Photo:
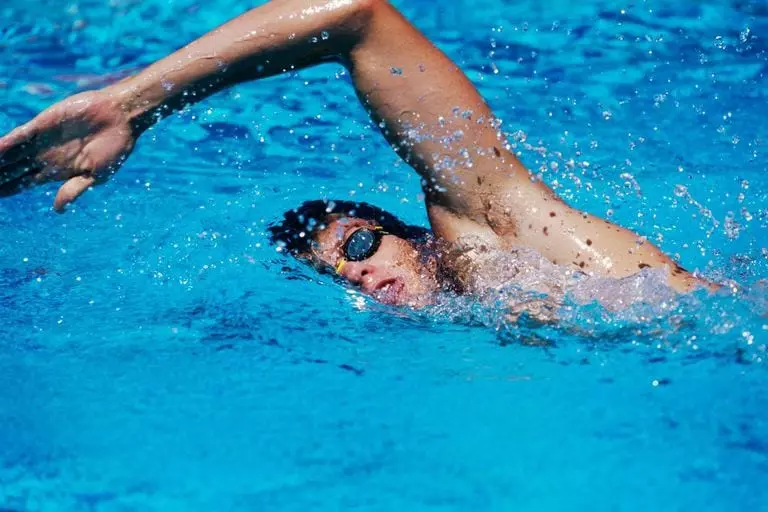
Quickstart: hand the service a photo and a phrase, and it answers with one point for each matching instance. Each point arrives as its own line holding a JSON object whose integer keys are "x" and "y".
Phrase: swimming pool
{"x": 157, "y": 354}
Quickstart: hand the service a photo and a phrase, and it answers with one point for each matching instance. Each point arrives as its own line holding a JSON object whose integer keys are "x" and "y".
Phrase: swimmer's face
{"x": 388, "y": 268}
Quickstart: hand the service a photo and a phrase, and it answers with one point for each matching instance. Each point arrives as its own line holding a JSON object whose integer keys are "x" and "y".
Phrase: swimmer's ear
{"x": 71, "y": 190}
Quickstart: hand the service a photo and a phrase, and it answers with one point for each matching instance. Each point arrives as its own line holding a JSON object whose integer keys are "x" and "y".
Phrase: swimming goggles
{"x": 361, "y": 245}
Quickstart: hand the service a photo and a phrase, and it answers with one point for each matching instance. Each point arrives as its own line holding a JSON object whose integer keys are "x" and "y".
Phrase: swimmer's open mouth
{"x": 390, "y": 291}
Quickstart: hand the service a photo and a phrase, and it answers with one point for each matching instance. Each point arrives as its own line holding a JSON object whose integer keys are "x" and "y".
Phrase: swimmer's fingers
{"x": 25, "y": 150}
{"x": 17, "y": 149}
{"x": 15, "y": 143}
{"x": 71, "y": 190}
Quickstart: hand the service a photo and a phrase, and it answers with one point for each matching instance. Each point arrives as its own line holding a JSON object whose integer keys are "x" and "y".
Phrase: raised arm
{"x": 427, "y": 109}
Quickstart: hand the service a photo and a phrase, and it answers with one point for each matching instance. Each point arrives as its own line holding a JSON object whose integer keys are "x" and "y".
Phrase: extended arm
{"x": 407, "y": 84}
{"x": 428, "y": 110}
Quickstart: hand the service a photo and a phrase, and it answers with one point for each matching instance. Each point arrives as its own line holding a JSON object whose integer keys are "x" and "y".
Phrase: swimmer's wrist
{"x": 139, "y": 101}
{"x": 155, "y": 94}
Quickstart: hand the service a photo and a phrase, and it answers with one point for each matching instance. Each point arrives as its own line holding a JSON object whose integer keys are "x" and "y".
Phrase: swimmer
{"x": 479, "y": 196}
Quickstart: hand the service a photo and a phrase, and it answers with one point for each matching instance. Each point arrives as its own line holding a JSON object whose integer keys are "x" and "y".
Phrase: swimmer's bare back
{"x": 429, "y": 111}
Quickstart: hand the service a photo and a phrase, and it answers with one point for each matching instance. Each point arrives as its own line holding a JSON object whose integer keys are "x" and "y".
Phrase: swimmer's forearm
{"x": 277, "y": 37}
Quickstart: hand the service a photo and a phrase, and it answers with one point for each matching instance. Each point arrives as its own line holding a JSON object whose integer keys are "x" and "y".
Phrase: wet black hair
{"x": 295, "y": 233}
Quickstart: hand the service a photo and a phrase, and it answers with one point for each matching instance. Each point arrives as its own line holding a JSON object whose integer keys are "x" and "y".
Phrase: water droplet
{"x": 720, "y": 43}
{"x": 731, "y": 227}
{"x": 324, "y": 35}
{"x": 166, "y": 84}
{"x": 744, "y": 35}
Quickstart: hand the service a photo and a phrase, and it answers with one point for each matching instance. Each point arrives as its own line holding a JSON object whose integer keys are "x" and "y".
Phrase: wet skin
{"x": 485, "y": 193}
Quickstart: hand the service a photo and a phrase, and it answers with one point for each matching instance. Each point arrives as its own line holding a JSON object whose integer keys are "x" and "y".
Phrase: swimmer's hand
{"x": 80, "y": 141}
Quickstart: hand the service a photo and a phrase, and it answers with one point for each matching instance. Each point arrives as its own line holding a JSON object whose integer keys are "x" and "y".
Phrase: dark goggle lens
{"x": 362, "y": 244}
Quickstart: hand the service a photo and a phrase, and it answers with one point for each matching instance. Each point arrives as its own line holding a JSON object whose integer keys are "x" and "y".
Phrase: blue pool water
{"x": 156, "y": 353}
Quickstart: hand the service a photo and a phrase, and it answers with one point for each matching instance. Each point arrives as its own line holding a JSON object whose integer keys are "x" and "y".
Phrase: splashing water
{"x": 525, "y": 297}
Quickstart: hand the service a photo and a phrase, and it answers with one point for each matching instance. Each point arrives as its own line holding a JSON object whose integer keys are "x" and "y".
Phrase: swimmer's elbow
{"x": 357, "y": 16}
{"x": 369, "y": 7}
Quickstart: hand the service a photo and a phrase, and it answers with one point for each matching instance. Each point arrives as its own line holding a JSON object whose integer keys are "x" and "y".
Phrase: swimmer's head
{"x": 364, "y": 245}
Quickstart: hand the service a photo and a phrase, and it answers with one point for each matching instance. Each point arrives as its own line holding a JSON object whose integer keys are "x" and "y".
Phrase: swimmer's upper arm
{"x": 437, "y": 121}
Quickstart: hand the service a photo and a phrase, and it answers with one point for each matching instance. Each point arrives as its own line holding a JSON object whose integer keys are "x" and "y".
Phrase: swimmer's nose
{"x": 360, "y": 273}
